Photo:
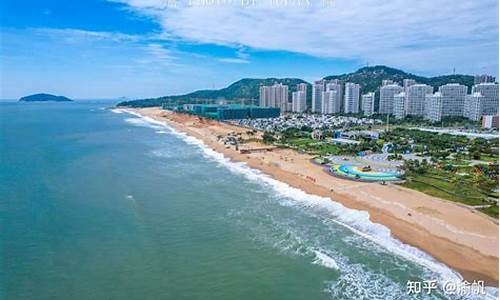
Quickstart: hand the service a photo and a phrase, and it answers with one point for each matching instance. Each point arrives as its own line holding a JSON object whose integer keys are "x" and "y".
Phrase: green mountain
{"x": 370, "y": 78}
{"x": 44, "y": 98}
{"x": 247, "y": 90}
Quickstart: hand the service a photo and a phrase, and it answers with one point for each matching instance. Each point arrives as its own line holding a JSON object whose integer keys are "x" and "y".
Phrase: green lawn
{"x": 462, "y": 193}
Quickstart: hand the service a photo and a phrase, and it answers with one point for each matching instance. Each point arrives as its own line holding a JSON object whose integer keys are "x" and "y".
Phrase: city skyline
{"x": 134, "y": 48}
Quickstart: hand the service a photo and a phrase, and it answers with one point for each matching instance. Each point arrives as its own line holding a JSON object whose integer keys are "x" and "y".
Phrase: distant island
{"x": 44, "y": 98}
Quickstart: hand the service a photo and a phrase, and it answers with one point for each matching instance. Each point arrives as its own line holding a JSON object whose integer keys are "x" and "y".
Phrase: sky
{"x": 148, "y": 48}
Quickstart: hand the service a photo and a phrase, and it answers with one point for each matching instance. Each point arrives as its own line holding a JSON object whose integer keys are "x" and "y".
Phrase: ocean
{"x": 96, "y": 203}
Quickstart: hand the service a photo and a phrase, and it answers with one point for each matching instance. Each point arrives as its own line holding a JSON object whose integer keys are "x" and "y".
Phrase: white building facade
{"x": 453, "y": 97}
{"x": 351, "y": 98}
{"x": 368, "y": 104}
{"x": 490, "y": 101}
{"x": 415, "y": 99}
{"x": 433, "y": 107}
{"x": 387, "y": 93}
{"x": 398, "y": 107}
{"x": 473, "y": 106}
{"x": 318, "y": 88}
{"x": 299, "y": 102}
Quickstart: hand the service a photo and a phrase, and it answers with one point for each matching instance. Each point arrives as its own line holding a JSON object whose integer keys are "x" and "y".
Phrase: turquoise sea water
{"x": 101, "y": 204}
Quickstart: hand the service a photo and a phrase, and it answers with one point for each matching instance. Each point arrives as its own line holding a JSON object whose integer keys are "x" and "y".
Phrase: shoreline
{"x": 462, "y": 239}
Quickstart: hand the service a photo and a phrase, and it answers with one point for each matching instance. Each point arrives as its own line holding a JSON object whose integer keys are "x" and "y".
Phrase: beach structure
{"x": 364, "y": 173}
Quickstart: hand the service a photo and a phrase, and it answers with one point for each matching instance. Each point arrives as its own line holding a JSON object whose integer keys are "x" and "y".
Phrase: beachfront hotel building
{"x": 368, "y": 104}
{"x": 433, "y": 107}
{"x": 473, "y": 106}
{"x": 274, "y": 96}
{"x": 398, "y": 106}
{"x": 387, "y": 93}
{"x": 415, "y": 98}
{"x": 453, "y": 97}
{"x": 490, "y": 92}
{"x": 351, "y": 98}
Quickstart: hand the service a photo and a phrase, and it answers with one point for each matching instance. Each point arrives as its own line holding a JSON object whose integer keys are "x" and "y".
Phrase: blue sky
{"x": 149, "y": 48}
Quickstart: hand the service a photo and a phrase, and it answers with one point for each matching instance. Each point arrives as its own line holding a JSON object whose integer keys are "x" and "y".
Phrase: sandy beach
{"x": 458, "y": 236}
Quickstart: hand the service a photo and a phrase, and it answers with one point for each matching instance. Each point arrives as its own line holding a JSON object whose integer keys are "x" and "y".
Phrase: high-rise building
{"x": 453, "y": 97}
{"x": 415, "y": 99}
{"x": 387, "y": 93}
{"x": 433, "y": 107}
{"x": 398, "y": 107}
{"x": 368, "y": 104}
{"x": 490, "y": 93}
{"x": 473, "y": 106}
{"x": 302, "y": 87}
{"x": 483, "y": 79}
{"x": 330, "y": 102}
{"x": 407, "y": 83}
{"x": 274, "y": 96}
{"x": 299, "y": 98}
{"x": 318, "y": 88}
{"x": 299, "y": 101}
{"x": 265, "y": 96}
{"x": 331, "y": 98}
{"x": 351, "y": 98}
{"x": 387, "y": 82}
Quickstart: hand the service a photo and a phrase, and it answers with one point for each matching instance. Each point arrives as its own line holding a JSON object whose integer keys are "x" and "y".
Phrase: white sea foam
{"x": 355, "y": 220}
{"x": 325, "y": 260}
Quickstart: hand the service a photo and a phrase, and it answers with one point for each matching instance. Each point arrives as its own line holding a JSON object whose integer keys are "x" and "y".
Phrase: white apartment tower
{"x": 433, "y": 107}
{"x": 264, "y": 95}
{"x": 490, "y": 93}
{"x": 330, "y": 102}
{"x": 453, "y": 97}
{"x": 387, "y": 93}
{"x": 351, "y": 98}
{"x": 415, "y": 99}
{"x": 368, "y": 104}
{"x": 299, "y": 102}
{"x": 473, "y": 106}
{"x": 398, "y": 107}
{"x": 318, "y": 88}
{"x": 331, "y": 99}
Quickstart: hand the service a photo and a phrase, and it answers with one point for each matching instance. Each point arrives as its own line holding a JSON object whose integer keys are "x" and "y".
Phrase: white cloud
{"x": 231, "y": 60}
{"x": 425, "y": 35}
